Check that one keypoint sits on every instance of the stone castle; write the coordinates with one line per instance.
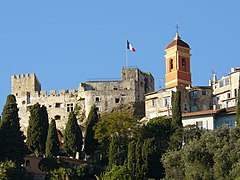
(106, 95)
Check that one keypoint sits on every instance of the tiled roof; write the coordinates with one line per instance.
(178, 42)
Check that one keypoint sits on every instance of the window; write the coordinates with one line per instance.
(184, 64)
(228, 95)
(117, 100)
(204, 92)
(70, 107)
(98, 109)
(115, 88)
(57, 117)
(185, 106)
(57, 105)
(235, 92)
(154, 102)
(166, 102)
(199, 124)
(194, 93)
(171, 65)
(97, 99)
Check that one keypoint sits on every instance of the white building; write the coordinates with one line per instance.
(225, 90)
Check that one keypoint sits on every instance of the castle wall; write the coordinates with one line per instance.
(106, 95)
(58, 107)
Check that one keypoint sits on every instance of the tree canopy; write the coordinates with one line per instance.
(52, 143)
(37, 129)
(90, 143)
(73, 138)
(11, 137)
(122, 124)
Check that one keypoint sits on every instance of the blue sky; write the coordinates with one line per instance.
(68, 42)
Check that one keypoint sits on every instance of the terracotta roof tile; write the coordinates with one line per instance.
(178, 42)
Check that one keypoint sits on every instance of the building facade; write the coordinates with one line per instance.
(225, 90)
(106, 95)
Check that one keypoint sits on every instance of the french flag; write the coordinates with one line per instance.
(130, 47)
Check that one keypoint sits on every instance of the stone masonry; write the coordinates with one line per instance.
(106, 95)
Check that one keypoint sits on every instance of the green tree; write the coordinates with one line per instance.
(73, 138)
(177, 126)
(121, 123)
(52, 143)
(191, 132)
(174, 165)
(177, 111)
(11, 171)
(37, 129)
(62, 173)
(151, 159)
(90, 143)
(238, 108)
(117, 152)
(118, 172)
(139, 162)
(159, 130)
(12, 139)
(131, 157)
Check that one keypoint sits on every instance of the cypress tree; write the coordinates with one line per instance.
(117, 152)
(151, 159)
(131, 161)
(177, 111)
(52, 144)
(12, 138)
(73, 139)
(37, 129)
(113, 152)
(139, 162)
(90, 143)
(176, 138)
(238, 108)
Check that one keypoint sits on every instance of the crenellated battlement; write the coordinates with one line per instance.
(24, 76)
(54, 93)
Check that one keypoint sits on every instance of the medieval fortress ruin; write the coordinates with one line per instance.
(106, 95)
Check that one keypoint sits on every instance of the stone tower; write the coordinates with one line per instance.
(178, 63)
(25, 84)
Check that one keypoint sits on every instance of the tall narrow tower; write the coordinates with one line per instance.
(177, 63)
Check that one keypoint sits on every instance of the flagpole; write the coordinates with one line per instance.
(126, 54)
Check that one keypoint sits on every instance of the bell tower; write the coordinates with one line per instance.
(177, 56)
